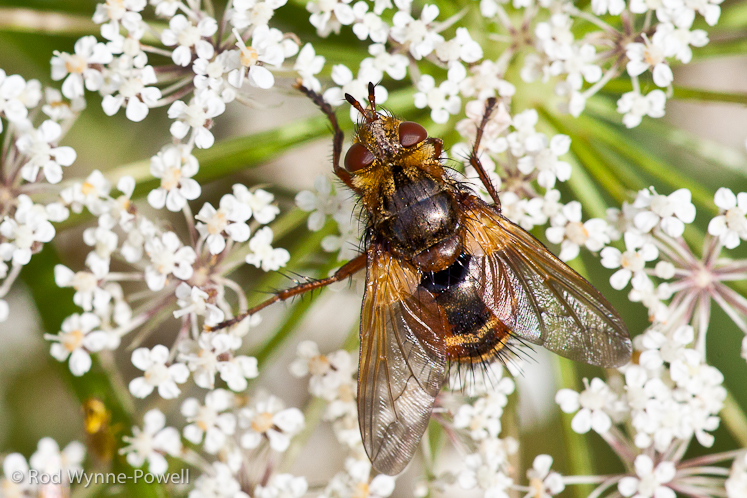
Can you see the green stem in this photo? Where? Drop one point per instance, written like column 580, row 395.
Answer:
column 734, row 419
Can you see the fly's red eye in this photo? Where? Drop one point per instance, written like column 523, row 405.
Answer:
column 411, row 134
column 358, row 157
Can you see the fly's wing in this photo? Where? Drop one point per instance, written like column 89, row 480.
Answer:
column 541, row 299
column 402, row 362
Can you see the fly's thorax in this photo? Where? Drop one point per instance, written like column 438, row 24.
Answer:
column 419, row 218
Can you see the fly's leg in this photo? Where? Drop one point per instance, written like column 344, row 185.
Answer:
column 348, row 269
column 475, row 161
column 337, row 140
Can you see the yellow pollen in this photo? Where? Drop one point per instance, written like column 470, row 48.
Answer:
column 249, row 56
column 75, row 64
column 171, row 178
column 73, row 340
column 361, row 490
column 262, row 422
column 87, row 188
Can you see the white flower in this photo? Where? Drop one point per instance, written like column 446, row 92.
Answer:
column 29, row 226
column 134, row 95
column 543, row 483
column 368, row 24
column 327, row 372
column 75, row 68
column 175, row 166
column 730, row 225
column 601, row 7
column 357, row 87
column 267, row 48
column 443, row 100
column 166, row 8
column 254, row 12
column 37, row 145
column 207, row 420
column 635, row 105
column 308, row 65
column 736, row 484
column 580, row 62
column 213, row 353
column 651, row 54
column 49, row 459
column 592, row 402
column 156, row 374
column 321, row 203
column 151, row 443
column 76, row 340
column 327, row 16
column 282, row 486
column 198, row 116
column 632, row 262
column 461, row 47
column 650, row 482
column 194, row 300
column 260, row 203
column 571, row 233
column 670, row 212
column 218, row 483
column 230, row 218
column 484, row 472
column 11, row 98
column 267, row 420
column 545, row 162
column 395, row 65
column 16, row 481
column 416, row 34
column 211, row 76
column 186, row 35
column 263, row 254
column 167, row 256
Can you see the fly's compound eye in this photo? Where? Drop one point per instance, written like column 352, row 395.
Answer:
column 358, row 157
column 411, row 134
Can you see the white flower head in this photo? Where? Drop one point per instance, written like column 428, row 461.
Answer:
column 152, row 443
column 175, row 166
column 263, row 255
column 39, row 146
column 669, row 212
column 77, row 68
column 198, row 116
column 591, row 405
column 730, row 226
column 228, row 221
column 650, row 482
column 267, row 420
column 210, row 421
column 167, row 257
column 195, row 300
column 76, row 340
column 156, row 373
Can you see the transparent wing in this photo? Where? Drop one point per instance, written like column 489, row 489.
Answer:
column 540, row 298
column 402, row 362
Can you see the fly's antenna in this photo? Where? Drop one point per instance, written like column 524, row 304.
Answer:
column 372, row 96
column 369, row 114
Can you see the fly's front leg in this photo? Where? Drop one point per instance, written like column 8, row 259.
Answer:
column 348, row 269
column 338, row 138
column 474, row 160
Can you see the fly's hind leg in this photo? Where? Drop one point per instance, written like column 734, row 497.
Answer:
column 348, row 269
column 338, row 138
column 474, row 160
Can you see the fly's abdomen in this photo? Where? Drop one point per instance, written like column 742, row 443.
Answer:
column 475, row 334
